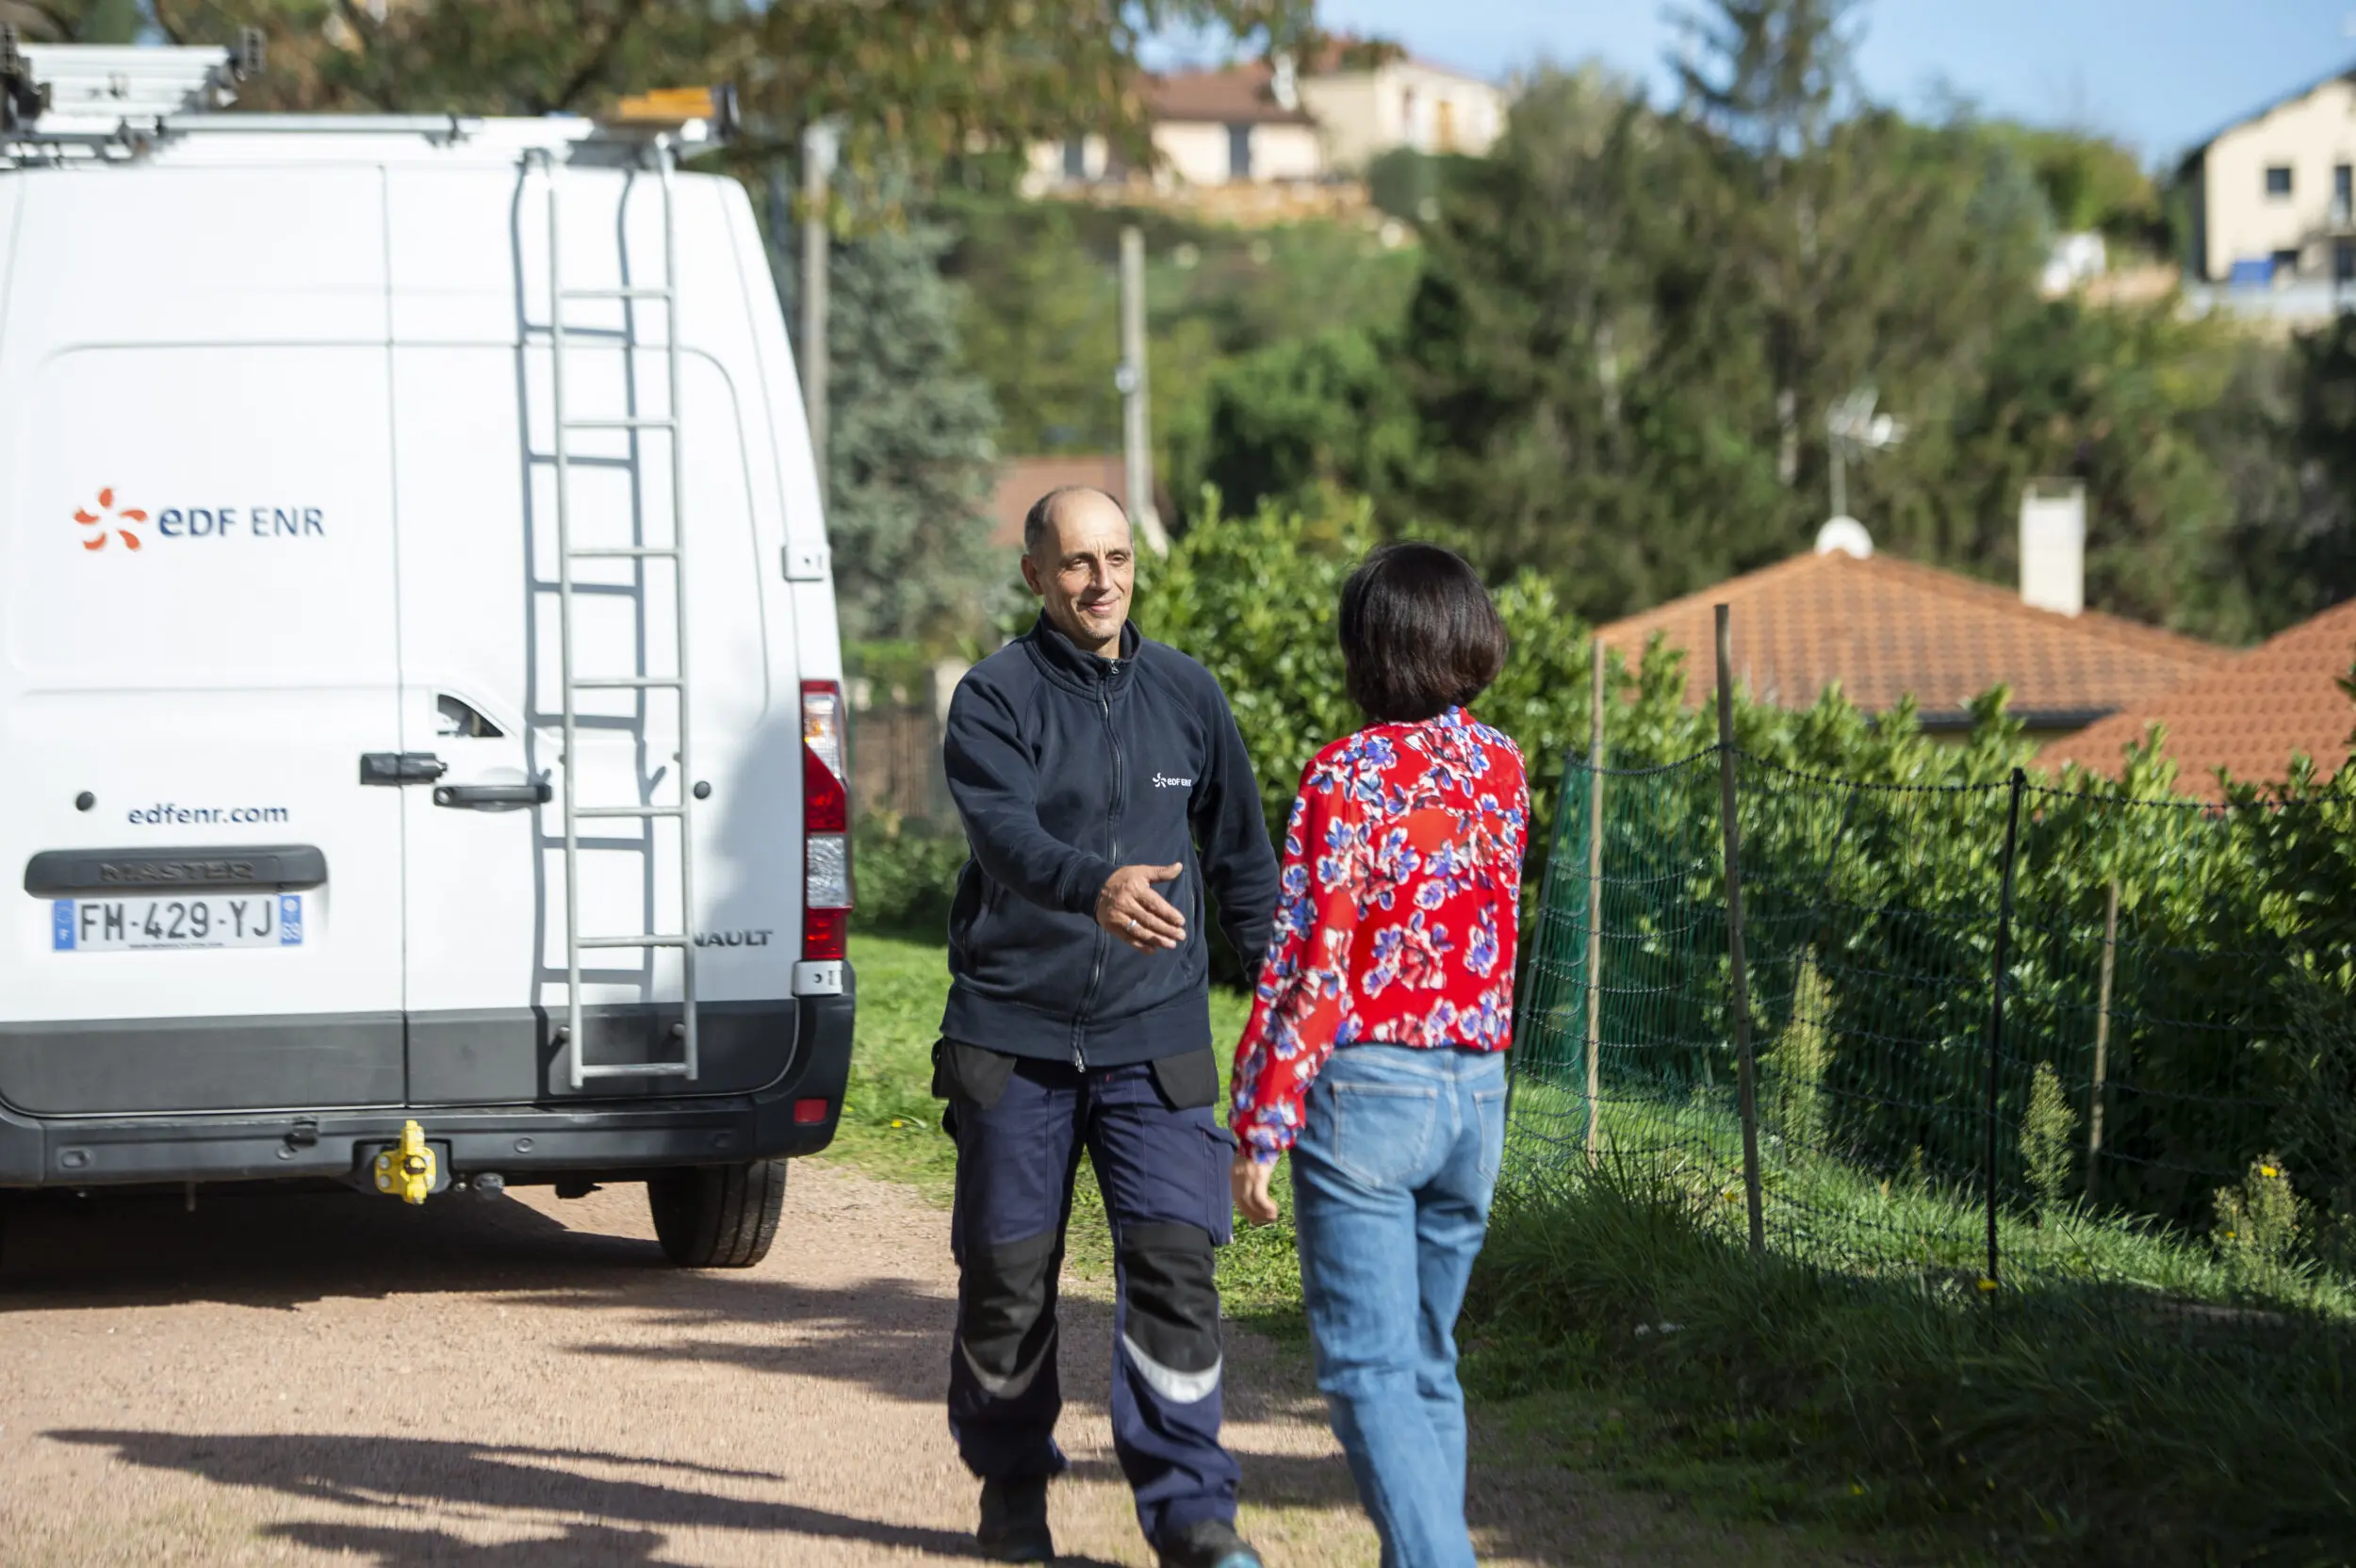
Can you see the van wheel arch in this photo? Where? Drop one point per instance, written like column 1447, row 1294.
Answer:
column 717, row 1216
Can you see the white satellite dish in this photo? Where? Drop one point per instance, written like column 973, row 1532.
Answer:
column 1846, row 536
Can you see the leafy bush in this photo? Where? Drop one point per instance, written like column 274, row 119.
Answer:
column 907, row 874
column 1872, row 881
column 1254, row 596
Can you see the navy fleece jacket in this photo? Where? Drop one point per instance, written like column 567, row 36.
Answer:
column 1065, row 767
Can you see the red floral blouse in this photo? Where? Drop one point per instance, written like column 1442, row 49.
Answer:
column 1395, row 926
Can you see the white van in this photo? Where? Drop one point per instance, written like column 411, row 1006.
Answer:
column 376, row 495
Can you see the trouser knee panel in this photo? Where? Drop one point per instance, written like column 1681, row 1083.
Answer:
column 1005, row 1331
column 1170, row 1331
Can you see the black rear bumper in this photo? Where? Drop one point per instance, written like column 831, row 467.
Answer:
column 522, row 1142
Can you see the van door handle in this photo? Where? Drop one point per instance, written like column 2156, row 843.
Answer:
column 481, row 795
column 401, row 767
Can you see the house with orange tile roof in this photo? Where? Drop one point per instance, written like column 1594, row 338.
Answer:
column 1882, row 630
column 2248, row 716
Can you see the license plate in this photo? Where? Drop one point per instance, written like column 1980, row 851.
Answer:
column 201, row 920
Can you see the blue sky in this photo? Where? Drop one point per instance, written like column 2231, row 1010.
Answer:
column 2159, row 75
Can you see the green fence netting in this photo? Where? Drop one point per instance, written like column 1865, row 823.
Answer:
column 2167, row 1101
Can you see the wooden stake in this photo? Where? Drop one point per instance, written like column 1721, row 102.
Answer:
column 2101, row 1045
column 1595, row 903
column 1746, row 1073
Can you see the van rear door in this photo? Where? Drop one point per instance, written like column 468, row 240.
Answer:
column 198, row 700
column 481, row 654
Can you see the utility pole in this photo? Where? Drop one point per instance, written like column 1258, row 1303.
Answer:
column 819, row 146
column 1137, row 424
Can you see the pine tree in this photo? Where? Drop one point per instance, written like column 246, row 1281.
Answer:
column 912, row 462
column 1632, row 322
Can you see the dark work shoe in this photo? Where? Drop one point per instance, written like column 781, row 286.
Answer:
column 1206, row 1544
column 1014, row 1521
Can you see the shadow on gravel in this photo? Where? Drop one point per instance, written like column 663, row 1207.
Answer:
column 890, row 1336
column 399, row 1548
column 887, row 1335
column 384, row 1472
column 282, row 1250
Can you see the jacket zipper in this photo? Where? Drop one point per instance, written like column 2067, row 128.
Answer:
column 1112, row 829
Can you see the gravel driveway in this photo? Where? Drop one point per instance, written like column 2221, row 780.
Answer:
column 515, row 1382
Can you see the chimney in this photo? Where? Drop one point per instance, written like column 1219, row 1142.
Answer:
column 2054, row 546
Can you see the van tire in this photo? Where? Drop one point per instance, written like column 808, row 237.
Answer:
column 717, row 1216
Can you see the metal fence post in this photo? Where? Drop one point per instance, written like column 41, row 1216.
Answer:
column 1595, row 903
column 1996, row 1007
column 2101, row 1045
column 1746, row 1071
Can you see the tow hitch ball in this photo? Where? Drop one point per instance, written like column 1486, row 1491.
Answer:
column 407, row 1170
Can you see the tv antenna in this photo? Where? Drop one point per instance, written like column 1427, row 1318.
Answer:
column 1855, row 430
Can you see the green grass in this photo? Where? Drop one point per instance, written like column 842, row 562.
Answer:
column 1858, row 1223
column 2075, row 1421
column 890, row 1125
column 1541, row 1404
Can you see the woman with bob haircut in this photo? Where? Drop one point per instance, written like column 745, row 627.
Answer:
column 1375, row 1050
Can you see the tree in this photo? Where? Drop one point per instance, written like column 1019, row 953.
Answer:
column 913, row 460
column 927, row 81
column 2091, row 184
column 1041, row 324
column 1780, row 70
column 1319, row 411
column 74, row 21
column 1593, row 394
column 1632, row 322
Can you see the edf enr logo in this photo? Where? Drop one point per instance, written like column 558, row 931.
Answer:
column 197, row 522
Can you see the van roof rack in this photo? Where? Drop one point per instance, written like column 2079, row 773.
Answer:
column 62, row 90
column 75, row 102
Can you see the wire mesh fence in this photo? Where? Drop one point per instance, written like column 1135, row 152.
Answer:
column 1998, row 1030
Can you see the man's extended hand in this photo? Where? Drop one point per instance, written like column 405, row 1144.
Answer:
column 1130, row 909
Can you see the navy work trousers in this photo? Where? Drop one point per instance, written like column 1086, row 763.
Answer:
column 1161, row 1164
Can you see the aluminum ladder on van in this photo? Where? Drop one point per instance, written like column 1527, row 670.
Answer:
column 666, row 426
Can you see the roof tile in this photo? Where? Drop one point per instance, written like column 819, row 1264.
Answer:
column 1884, row 628
column 1237, row 95
column 2249, row 717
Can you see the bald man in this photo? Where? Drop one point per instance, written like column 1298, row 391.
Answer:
column 1105, row 792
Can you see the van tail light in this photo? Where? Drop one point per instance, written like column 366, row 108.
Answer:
column 825, row 822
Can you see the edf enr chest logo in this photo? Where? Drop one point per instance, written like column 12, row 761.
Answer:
column 196, row 522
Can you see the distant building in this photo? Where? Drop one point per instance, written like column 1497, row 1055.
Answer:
column 1368, row 101
column 2248, row 716
column 1265, row 122
column 2273, row 198
column 1243, row 125
column 1885, row 629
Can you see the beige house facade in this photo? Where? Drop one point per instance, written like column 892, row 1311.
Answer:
column 2272, row 195
column 1403, row 102
column 1263, row 123
column 1244, row 125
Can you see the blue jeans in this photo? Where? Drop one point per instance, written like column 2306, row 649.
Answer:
column 1392, row 1176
